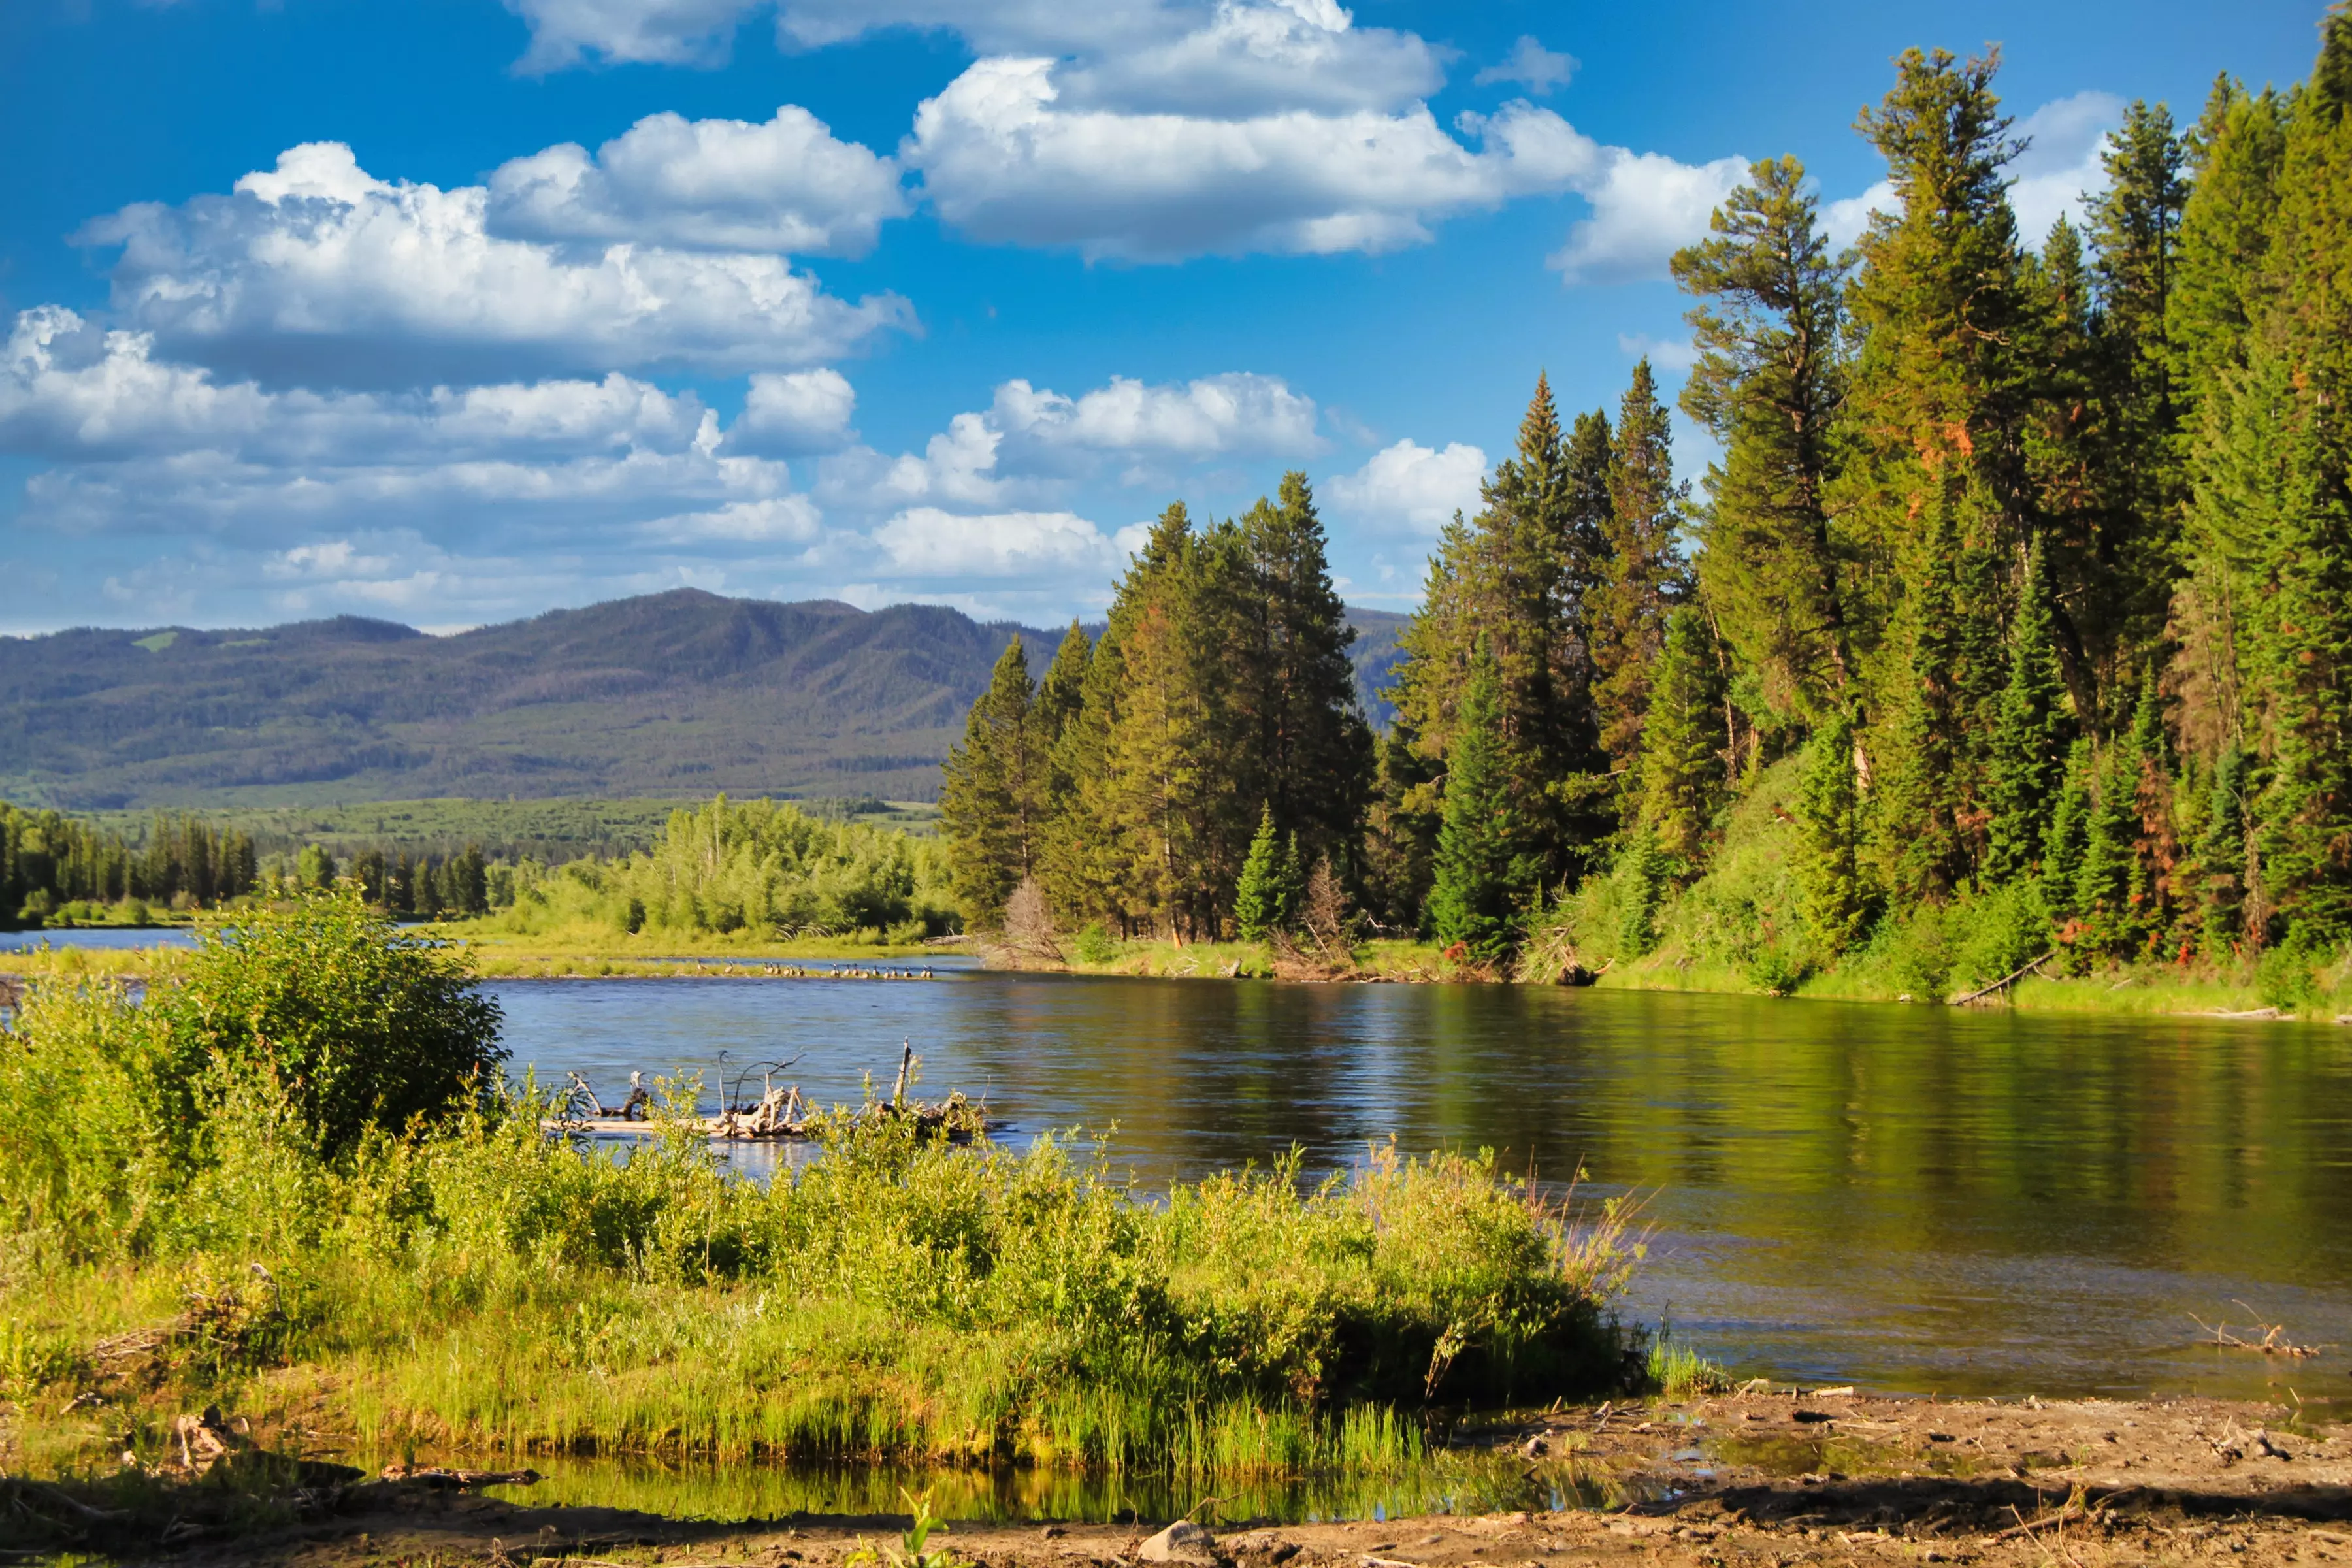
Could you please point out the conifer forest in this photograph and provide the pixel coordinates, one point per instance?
(2013, 620)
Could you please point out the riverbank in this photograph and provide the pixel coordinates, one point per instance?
(1754, 1479)
(2142, 990)
(2146, 990)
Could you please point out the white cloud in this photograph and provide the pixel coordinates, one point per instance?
(2061, 161)
(1032, 444)
(1845, 220)
(69, 391)
(788, 519)
(787, 185)
(1533, 66)
(1668, 353)
(1645, 207)
(1410, 485)
(1218, 414)
(795, 412)
(1003, 160)
(928, 542)
(317, 271)
(1221, 56)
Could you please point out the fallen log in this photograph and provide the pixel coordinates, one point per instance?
(2014, 975)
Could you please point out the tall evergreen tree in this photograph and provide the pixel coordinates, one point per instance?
(1482, 876)
(1828, 813)
(1683, 761)
(2029, 749)
(1767, 385)
(1646, 576)
(2223, 857)
(990, 794)
(2234, 155)
(1939, 404)
(1258, 901)
(2065, 846)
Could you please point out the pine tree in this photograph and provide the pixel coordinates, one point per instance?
(2223, 855)
(1627, 611)
(990, 798)
(2105, 883)
(1481, 875)
(1937, 406)
(1400, 831)
(2028, 750)
(2234, 155)
(2066, 845)
(1767, 385)
(1520, 576)
(1682, 740)
(1310, 740)
(1258, 901)
(1828, 825)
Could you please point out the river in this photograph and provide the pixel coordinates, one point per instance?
(1910, 1199)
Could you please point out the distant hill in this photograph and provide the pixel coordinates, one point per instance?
(674, 695)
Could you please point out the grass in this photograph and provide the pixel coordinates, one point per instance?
(494, 1293)
(464, 1283)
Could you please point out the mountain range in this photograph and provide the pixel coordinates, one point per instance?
(676, 695)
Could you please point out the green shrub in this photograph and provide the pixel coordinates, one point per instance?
(361, 1026)
(2287, 976)
(1096, 944)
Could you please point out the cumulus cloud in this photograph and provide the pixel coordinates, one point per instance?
(793, 413)
(1645, 207)
(1204, 56)
(1845, 220)
(1005, 160)
(1217, 414)
(928, 542)
(1032, 444)
(787, 185)
(1533, 66)
(317, 271)
(2060, 162)
(1410, 486)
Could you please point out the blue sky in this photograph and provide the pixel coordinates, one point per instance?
(454, 311)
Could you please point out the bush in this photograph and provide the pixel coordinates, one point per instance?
(2287, 976)
(1096, 944)
(362, 1026)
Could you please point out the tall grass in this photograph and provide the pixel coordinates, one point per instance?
(465, 1282)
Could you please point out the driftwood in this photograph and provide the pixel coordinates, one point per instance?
(2005, 982)
(780, 1113)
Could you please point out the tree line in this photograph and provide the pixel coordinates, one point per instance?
(50, 861)
(2024, 575)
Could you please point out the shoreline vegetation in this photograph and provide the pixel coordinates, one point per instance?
(291, 1182)
(2119, 991)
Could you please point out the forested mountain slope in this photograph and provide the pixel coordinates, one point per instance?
(678, 694)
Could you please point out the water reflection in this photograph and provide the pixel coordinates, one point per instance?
(1912, 1198)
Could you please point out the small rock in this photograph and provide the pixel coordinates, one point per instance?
(1182, 1541)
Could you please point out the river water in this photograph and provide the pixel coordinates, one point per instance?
(1910, 1199)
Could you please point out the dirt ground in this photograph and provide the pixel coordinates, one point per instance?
(1764, 1480)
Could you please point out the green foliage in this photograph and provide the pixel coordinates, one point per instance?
(361, 1026)
(1626, 612)
(1482, 875)
(1767, 385)
(1258, 903)
(1644, 872)
(1828, 814)
(1095, 944)
(2066, 848)
(1683, 740)
(2029, 748)
(748, 866)
(992, 801)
